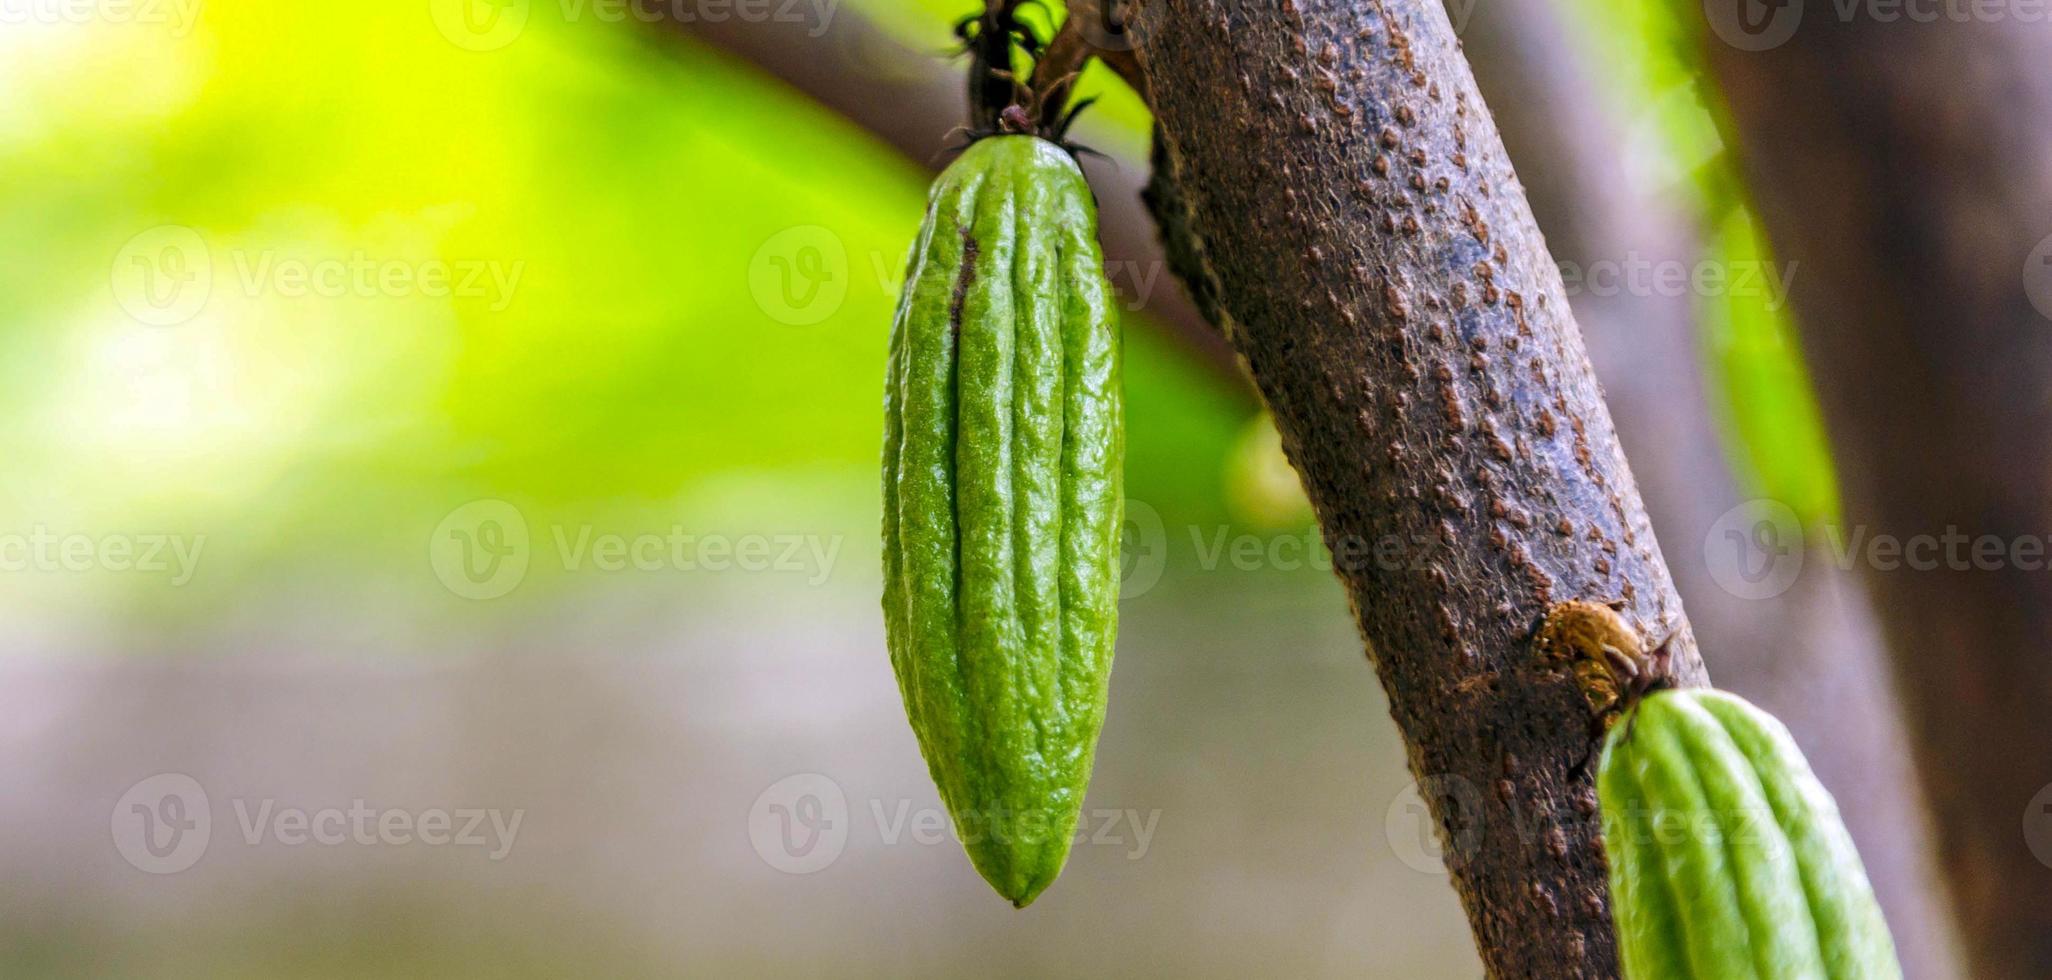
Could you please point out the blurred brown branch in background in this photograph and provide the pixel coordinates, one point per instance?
(1811, 655)
(1908, 167)
(913, 100)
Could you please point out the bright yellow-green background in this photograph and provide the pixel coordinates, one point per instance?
(623, 187)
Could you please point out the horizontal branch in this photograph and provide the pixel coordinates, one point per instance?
(913, 100)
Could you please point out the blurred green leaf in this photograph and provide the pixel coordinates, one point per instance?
(624, 226)
(1647, 55)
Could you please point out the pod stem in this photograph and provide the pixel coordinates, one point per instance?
(999, 100)
(989, 38)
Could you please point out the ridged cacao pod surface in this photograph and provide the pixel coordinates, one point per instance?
(1002, 489)
(1728, 860)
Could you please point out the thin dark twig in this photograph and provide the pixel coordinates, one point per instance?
(1054, 75)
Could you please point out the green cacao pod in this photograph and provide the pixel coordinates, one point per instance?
(1727, 857)
(1003, 455)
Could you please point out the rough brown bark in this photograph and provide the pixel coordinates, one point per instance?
(1811, 655)
(1374, 261)
(1908, 168)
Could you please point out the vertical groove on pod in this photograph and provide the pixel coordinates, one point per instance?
(1056, 303)
(926, 648)
(1012, 470)
(1075, 529)
(956, 218)
(1037, 427)
(1852, 938)
(964, 279)
(1718, 939)
(1778, 895)
(1001, 457)
(990, 644)
(1791, 817)
(1759, 854)
(1644, 906)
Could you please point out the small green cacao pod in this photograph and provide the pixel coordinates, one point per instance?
(1727, 857)
(1003, 455)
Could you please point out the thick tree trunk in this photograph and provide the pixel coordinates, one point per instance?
(1908, 168)
(1811, 655)
(1374, 261)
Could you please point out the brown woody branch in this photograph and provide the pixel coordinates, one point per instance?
(1373, 260)
(1907, 168)
(1811, 655)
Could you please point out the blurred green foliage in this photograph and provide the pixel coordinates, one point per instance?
(1646, 52)
(1768, 405)
(621, 215)
(615, 190)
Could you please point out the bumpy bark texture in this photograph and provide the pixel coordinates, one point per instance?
(1372, 258)
(1908, 167)
(1813, 655)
